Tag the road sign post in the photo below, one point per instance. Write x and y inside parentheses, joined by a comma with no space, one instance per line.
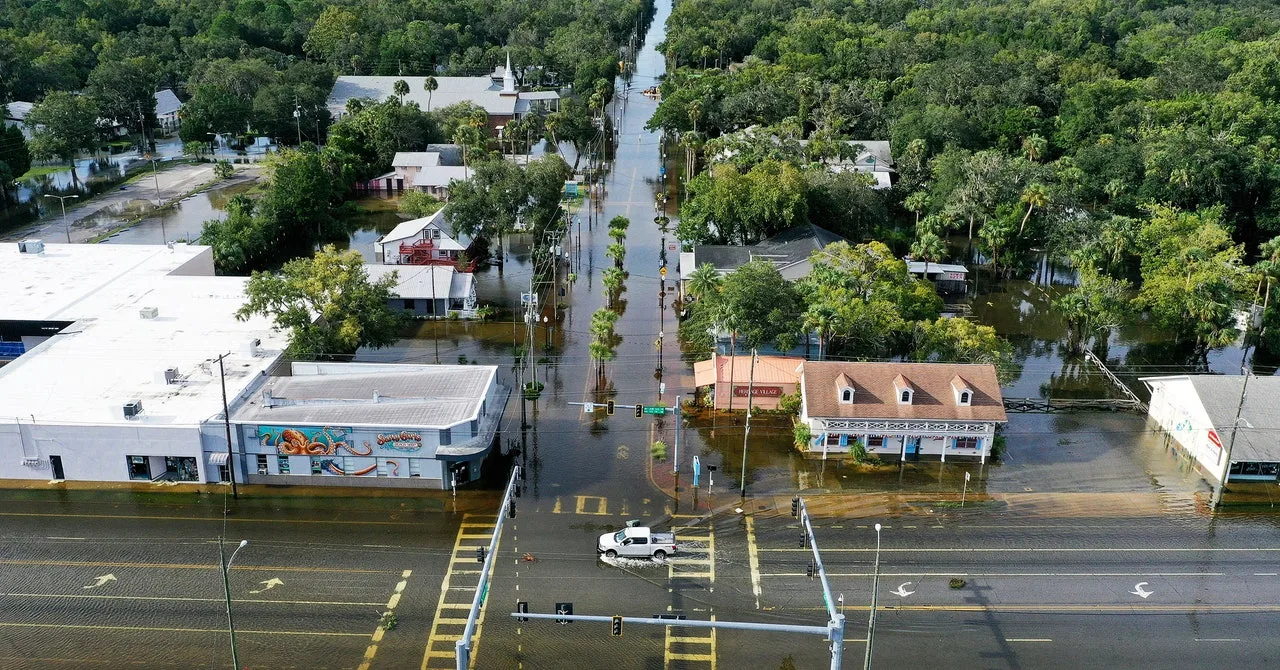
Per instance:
(965,490)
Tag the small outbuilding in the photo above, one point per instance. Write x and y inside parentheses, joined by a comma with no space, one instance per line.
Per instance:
(731,380)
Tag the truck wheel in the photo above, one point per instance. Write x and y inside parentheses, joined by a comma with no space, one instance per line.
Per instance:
(611,554)
(659,555)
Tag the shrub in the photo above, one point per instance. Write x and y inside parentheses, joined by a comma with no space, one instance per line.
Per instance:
(223,170)
(659,450)
(957,583)
(803,436)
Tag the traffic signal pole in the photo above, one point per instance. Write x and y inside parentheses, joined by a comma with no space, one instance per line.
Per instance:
(462,647)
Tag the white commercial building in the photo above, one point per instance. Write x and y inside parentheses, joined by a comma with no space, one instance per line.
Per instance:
(1199,415)
(115,377)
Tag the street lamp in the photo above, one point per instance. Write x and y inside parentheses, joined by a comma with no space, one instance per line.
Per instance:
(226,589)
(875,587)
(63,199)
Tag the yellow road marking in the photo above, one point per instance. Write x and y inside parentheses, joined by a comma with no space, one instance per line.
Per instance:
(461,554)
(183,566)
(221,631)
(208,518)
(372,649)
(600,503)
(555,509)
(186,599)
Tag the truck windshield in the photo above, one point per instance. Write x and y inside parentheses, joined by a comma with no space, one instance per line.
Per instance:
(619,536)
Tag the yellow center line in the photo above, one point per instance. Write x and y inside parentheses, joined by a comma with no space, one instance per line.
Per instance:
(187,599)
(222,631)
(185,566)
(753,558)
(219,519)
(372,649)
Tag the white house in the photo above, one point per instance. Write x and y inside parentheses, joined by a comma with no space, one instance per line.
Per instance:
(429,290)
(901,410)
(15,114)
(425,241)
(1198,413)
(167,108)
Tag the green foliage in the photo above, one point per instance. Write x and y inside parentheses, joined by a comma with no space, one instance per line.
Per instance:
(963,341)
(801,435)
(223,169)
(123,90)
(378,130)
(417,204)
(658,450)
(617,252)
(500,193)
(1093,307)
(294,209)
(388,620)
(756,305)
(729,206)
(62,125)
(326,303)
(789,403)
(15,157)
(1192,277)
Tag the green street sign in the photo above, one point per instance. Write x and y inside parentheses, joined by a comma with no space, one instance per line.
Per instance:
(652,409)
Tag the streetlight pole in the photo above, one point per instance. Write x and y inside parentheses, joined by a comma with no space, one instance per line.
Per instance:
(875,588)
(226,590)
(746,434)
(164,237)
(63,199)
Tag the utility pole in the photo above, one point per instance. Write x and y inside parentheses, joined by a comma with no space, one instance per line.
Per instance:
(1231,442)
(875,587)
(747,434)
(226,421)
(297,118)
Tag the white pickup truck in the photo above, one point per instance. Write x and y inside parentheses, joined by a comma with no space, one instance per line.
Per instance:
(637,542)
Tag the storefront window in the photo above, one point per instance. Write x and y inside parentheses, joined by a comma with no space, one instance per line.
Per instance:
(875,441)
(833,439)
(139,468)
(181,468)
(966,443)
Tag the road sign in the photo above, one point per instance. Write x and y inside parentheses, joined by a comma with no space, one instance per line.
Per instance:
(966,476)
(588,408)
(564,608)
(663,272)
(527,298)
(652,409)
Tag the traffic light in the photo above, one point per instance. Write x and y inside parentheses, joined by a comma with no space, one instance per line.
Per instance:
(808,570)
(564,608)
(639,411)
(617,626)
(795,507)
(523,608)
(802,540)
(480,554)
(608,408)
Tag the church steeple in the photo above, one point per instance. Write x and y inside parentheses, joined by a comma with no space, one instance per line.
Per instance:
(508,78)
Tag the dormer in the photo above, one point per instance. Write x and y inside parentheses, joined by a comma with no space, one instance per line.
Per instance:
(844,389)
(903,390)
(962,392)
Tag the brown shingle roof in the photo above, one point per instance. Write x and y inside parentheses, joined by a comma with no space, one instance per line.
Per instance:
(933,397)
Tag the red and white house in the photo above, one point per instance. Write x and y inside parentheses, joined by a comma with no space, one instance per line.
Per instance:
(1198,415)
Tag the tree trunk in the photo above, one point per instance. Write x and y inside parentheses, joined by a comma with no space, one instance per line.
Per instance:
(971,226)
(1024,219)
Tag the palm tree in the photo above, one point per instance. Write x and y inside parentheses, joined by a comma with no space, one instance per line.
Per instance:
(704,280)
(822,321)
(928,247)
(1035,196)
(917,202)
(551,124)
(430,84)
(401,88)
(695,113)
(1033,146)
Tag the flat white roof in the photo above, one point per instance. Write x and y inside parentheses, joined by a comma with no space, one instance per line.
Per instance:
(427,396)
(917,268)
(111,355)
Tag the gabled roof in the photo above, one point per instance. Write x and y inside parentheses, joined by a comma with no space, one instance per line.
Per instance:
(409,230)
(17,111)
(167,102)
(932,397)
(425,282)
(843,382)
(787,248)
(902,383)
(482,91)
(415,159)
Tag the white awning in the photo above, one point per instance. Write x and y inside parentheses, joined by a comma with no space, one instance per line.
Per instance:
(218,458)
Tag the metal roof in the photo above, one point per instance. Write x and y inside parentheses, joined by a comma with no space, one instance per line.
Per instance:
(425,281)
(1259,416)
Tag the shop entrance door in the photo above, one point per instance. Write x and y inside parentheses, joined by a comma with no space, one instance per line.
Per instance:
(55,462)
(913,447)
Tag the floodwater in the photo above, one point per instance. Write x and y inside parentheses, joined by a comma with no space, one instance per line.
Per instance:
(179,222)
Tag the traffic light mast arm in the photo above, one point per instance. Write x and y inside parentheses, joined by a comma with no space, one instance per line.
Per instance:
(689,623)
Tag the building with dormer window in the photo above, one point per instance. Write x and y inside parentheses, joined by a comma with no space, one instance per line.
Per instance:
(901,410)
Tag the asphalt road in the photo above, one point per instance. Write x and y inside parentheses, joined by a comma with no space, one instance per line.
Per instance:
(107,580)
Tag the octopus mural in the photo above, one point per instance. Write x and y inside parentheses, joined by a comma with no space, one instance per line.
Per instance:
(326,441)
(333,468)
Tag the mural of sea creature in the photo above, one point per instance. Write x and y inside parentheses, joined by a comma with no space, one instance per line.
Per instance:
(333,468)
(324,442)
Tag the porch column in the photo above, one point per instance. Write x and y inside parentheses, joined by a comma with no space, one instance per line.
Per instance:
(986,444)
(944,450)
(902,455)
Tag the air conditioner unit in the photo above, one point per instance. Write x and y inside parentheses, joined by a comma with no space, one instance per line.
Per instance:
(262,471)
(149,312)
(132,408)
(170,375)
(31,246)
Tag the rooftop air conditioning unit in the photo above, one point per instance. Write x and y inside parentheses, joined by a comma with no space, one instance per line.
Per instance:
(149,312)
(132,408)
(32,246)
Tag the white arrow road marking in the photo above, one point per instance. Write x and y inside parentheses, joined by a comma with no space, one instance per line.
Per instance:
(103,579)
(902,590)
(1139,591)
(270,584)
